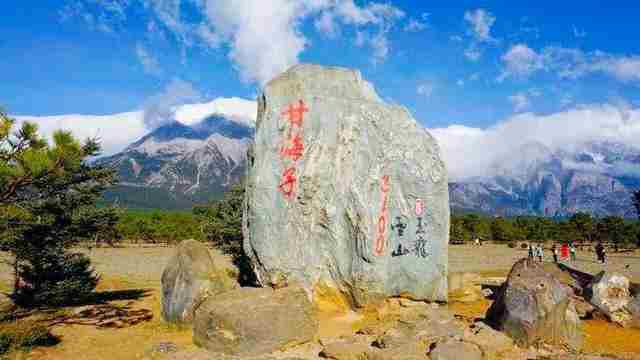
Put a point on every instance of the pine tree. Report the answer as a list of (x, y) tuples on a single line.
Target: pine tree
[(635, 197), (47, 202)]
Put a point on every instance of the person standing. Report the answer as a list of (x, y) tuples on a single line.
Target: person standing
[(572, 250), (530, 251), (600, 252), (554, 252), (564, 252), (540, 253)]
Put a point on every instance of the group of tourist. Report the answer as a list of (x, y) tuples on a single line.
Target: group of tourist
[(566, 251)]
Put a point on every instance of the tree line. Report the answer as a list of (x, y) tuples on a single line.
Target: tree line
[(581, 227)]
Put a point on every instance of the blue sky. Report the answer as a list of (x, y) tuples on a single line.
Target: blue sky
[(473, 62)]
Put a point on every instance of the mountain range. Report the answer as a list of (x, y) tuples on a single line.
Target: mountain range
[(529, 165)]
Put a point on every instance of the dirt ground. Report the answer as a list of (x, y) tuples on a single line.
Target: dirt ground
[(141, 268)]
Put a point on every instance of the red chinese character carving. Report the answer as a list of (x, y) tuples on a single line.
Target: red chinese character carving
[(296, 114), (382, 219), (288, 182), (294, 149), (419, 207)]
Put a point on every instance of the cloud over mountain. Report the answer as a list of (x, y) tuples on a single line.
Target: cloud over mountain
[(473, 152), (468, 151), (116, 131)]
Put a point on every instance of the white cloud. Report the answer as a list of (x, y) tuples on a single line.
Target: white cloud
[(472, 53), (160, 109), (327, 25), (471, 152), (520, 61), (460, 82), (626, 69), (425, 89), (520, 101), (415, 25), (480, 22), (579, 33), (263, 38), (98, 15), (117, 131), (149, 62)]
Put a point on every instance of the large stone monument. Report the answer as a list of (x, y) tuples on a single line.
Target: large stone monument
[(344, 191)]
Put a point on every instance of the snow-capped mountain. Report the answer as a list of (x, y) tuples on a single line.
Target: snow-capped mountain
[(178, 165), (582, 159), (593, 177)]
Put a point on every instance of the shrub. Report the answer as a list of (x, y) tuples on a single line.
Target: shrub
[(24, 334), (63, 279)]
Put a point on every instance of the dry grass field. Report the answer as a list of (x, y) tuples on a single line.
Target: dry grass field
[(140, 269)]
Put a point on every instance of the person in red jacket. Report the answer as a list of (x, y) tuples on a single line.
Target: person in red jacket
[(564, 252)]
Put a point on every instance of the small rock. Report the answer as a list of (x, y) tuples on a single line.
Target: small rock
[(188, 279), (609, 292), (352, 348), (164, 348), (254, 321), (489, 340), (408, 303), (455, 350), (583, 308), (487, 293)]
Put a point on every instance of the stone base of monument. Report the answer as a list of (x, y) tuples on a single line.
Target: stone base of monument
[(254, 321)]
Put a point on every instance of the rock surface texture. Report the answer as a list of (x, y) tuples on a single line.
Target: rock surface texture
[(188, 279), (533, 306), (344, 190), (609, 293), (271, 321)]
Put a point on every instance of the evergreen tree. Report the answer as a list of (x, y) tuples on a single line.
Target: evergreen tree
[(635, 197), (47, 201)]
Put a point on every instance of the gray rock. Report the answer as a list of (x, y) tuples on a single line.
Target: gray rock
[(254, 321), (351, 348), (533, 306), (491, 342), (160, 349), (633, 307), (188, 279), (609, 293), (345, 190), (455, 350)]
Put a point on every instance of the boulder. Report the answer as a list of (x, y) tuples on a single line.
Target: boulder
[(633, 307), (188, 279), (351, 348), (533, 306), (254, 321), (455, 350), (344, 190), (609, 293), (492, 343)]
